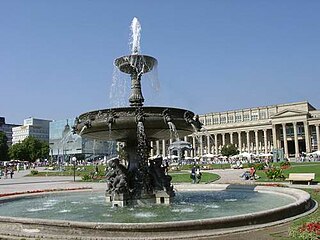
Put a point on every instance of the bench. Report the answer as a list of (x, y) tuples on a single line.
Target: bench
[(301, 177)]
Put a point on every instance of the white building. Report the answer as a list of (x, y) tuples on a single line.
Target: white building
[(38, 128)]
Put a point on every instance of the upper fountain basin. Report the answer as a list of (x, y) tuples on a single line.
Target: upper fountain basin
[(135, 63), (120, 124)]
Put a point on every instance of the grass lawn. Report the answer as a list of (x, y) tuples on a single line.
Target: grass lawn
[(185, 177), (177, 177), (69, 171), (306, 167)]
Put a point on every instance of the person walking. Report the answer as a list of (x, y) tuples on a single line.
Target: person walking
[(193, 174), (198, 174), (11, 171), (5, 172)]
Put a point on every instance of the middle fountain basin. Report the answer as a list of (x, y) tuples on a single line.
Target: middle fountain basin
[(120, 124)]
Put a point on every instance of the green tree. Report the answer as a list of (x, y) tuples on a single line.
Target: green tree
[(3, 147), (229, 150), (18, 151), (33, 147), (45, 149), (30, 149)]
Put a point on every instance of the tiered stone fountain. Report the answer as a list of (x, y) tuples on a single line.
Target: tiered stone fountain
[(140, 180)]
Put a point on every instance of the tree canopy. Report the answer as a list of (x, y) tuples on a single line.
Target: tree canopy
[(229, 150), (30, 149), (3, 147)]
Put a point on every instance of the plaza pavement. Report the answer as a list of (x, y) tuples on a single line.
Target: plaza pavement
[(22, 183)]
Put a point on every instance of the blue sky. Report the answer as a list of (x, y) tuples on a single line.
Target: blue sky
[(56, 57)]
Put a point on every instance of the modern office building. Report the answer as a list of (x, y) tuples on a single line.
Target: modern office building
[(292, 128), (64, 144), (38, 128), (7, 129)]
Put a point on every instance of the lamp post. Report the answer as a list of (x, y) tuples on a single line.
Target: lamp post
[(74, 160)]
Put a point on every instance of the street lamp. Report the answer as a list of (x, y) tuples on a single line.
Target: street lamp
[(74, 160)]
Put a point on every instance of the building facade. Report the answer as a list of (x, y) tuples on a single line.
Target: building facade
[(37, 128), (7, 129), (64, 144), (292, 128)]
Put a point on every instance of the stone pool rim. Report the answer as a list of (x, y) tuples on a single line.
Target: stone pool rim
[(303, 205)]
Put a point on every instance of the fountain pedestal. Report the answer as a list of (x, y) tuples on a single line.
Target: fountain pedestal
[(117, 200), (162, 197)]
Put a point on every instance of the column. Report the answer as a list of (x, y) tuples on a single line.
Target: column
[(158, 147), (208, 144), (248, 141), (307, 136), (163, 148), (231, 137), (256, 140), (194, 147), (240, 142), (296, 142), (215, 143), (285, 142), (223, 139), (201, 145), (274, 136), (186, 153), (265, 141), (318, 137)]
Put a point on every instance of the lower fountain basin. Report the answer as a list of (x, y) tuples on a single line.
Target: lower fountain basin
[(120, 124), (191, 214)]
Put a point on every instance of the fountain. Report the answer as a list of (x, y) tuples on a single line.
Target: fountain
[(141, 189), (142, 181)]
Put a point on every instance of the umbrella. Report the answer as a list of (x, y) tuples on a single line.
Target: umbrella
[(180, 145), (208, 155)]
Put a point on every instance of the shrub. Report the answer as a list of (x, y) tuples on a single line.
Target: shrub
[(309, 230), (34, 172), (257, 166), (285, 164), (86, 177), (275, 173)]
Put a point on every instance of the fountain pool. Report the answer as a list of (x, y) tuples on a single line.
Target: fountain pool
[(91, 207), (205, 209)]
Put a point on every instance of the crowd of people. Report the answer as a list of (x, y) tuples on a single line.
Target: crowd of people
[(6, 172), (8, 169)]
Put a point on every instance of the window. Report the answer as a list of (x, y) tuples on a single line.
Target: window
[(246, 117), (223, 120), (238, 118), (215, 120), (230, 119), (254, 116), (209, 121), (263, 115)]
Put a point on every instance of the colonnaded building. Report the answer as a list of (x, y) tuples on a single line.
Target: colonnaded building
[(292, 128)]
